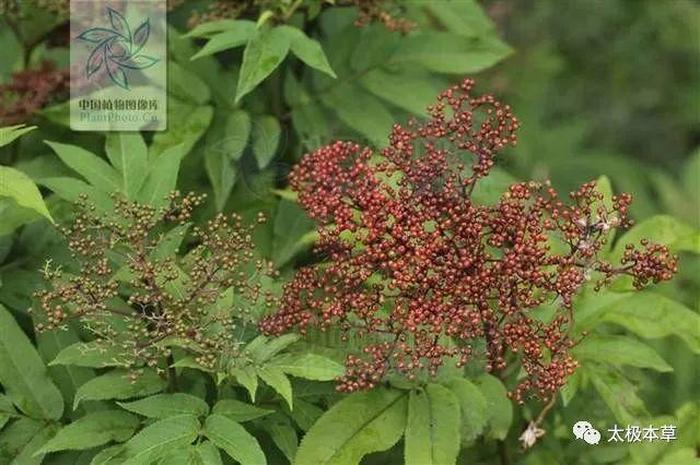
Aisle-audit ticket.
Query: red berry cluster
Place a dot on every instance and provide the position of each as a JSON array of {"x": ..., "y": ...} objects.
[
  {"x": 29, "y": 91},
  {"x": 425, "y": 275}
]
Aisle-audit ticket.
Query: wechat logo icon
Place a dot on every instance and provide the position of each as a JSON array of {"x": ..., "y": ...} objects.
[{"x": 584, "y": 430}]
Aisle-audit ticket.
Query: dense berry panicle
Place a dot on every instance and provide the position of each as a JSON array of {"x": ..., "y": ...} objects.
[
  {"x": 426, "y": 275},
  {"x": 139, "y": 298},
  {"x": 29, "y": 91}
]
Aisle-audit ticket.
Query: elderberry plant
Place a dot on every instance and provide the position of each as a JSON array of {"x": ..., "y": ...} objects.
[
  {"x": 138, "y": 300},
  {"x": 423, "y": 275}
]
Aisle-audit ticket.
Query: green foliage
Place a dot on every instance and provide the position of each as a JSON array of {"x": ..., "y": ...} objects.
[{"x": 251, "y": 91}]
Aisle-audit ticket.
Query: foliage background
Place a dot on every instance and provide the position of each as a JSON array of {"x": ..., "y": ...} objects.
[{"x": 602, "y": 88}]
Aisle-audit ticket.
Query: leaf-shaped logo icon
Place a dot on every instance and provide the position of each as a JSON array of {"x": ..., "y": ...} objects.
[{"x": 117, "y": 49}]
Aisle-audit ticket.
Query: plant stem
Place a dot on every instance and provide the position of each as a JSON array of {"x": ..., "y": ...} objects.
[
  {"x": 503, "y": 452},
  {"x": 172, "y": 374}
]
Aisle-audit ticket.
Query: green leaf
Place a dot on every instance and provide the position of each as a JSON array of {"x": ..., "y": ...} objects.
[
  {"x": 432, "y": 427},
  {"x": 186, "y": 86},
  {"x": 239, "y": 411},
  {"x": 308, "y": 366},
  {"x": 651, "y": 315},
  {"x": 620, "y": 350},
  {"x": 128, "y": 153},
  {"x": 91, "y": 167},
  {"x": 162, "y": 178},
  {"x": 187, "y": 123},
  {"x": 89, "y": 354},
  {"x": 233, "y": 37},
  {"x": 488, "y": 190},
  {"x": 17, "y": 186},
  {"x": 263, "y": 352},
  {"x": 263, "y": 53},
  {"x": 618, "y": 393},
  {"x": 159, "y": 437},
  {"x": 305, "y": 413},
  {"x": 225, "y": 144},
  {"x": 498, "y": 406},
  {"x": 92, "y": 430},
  {"x": 291, "y": 231},
  {"x": 457, "y": 56},
  {"x": 361, "y": 111},
  {"x": 465, "y": 17},
  {"x": 359, "y": 424},
  {"x": 409, "y": 92},
  {"x": 661, "y": 229},
  {"x": 472, "y": 405},
  {"x": 23, "y": 374},
  {"x": 117, "y": 384},
  {"x": 208, "y": 454},
  {"x": 71, "y": 189},
  {"x": 282, "y": 433},
  {"x": 248, "y": 378},
  {"x": 211, "y": 28},
  {"x": 11, "y": 133},
  {"x": 234, "y": 440},
  {"x": 105, "y": 456},
  {"x": 276, "y": 379},
  {"x": 167, "y": 405},
  {"x": 307, "y": 50},
  {"x": 266, "y": 139},
  {"x": 29, "y": 454}
]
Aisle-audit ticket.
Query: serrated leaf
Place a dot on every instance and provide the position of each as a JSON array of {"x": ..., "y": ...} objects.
[
  {"x": 129, "y": 155},
  {"x": 207, "y": 454},
  {"x": 277, "y": 380},
  {"x": 161, "y": 436},
  {"x": 651, "y": 315},
  {"x": 618, "y": 393},
  {"x": 211, "y": 28},
  {"x": 307, "y": 50},
  {"x": 498, "y": 406},
  {"x": 359, "y": 424},
  {"x": 11, "y": 133},
  {"x": 23, "y": 374},
  {"x": 233, "y": 37},
  {"x": 92, "y": 430},
  {"x": 105, "y": 456},
  {"x": 266, "y": 139},
  {"x": 263, "y": 352},
  {"x": 305, "y": 413},
  {"x": 167, "y": 405},
  {"x": 90, "y": 354},
  {"x": 248, "y": 378},
  {"x": 117, "y": 384},
  {"x": 95, "y": 170},
  {"x": 432, "y": 427},
  {"x": 263, "y": 53},
  {"x": 409, "y": 92},
  {"x": 234, "y": 440},
  {"x": 308, "y": 366},
  {"x": 662, "y": 229},
  {"x": 457, "y": 55},
  {"x": 361, "y": 111},
  {"x": 162, "y": 178},
  {"x": 186, "y": 85},
  {"x": 239, "y": 411},
  {"x": 71, "y": 189},
  {"x": 472, "y": 405},
  {"x": 282, "y": 433},
  {"x": 19, "y": 187},
  {"x": 620, "y": 350}
]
